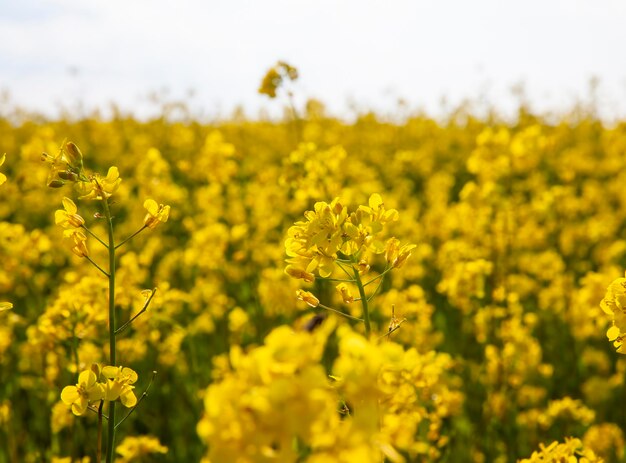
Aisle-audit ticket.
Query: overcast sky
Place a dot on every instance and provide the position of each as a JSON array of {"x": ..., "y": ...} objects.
[{"x": 366, "y": 52}]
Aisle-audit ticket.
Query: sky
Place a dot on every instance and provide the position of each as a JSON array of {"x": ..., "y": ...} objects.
[{"x": 353, "y": 55}]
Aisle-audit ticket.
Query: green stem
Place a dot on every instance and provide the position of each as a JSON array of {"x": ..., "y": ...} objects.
[
  {"x": 143, "y": 396},
  {"x": 145, "y": 307},
  {"x": 97, "y": 266},
  {"x": 112, "y": 359},
  {"x": 95, "y": 236},
  {"x": 366, "y": 312},
  {"x": 340, "y": 313},
  {"x": 131, "y": 236},
  {"x": 387, "y": 270}
]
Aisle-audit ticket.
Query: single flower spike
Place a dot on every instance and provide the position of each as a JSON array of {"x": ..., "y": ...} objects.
[
  {"x": 157, "y": 213},
  {"x": 68, "y": 218},
  {"x": 87, "y": 390},
  {"x": 3, "y": 178}
]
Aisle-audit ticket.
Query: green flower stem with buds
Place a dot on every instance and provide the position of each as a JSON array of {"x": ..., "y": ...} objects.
[{"x": 112, "y": 353}]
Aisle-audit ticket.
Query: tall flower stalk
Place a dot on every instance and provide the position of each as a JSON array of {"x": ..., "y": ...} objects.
[
  {"x": 100, "y": 383},
  {"x": 334, "y": 245}
]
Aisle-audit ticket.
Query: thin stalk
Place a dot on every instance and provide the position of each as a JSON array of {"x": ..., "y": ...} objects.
[
  {"x": 143, "y": 396},
  {"x": 343, "y": 268},
  {"x": 131, "y": 236},
  {"x": 112, "y": 356},
  {"x": 340, "y": 313},
  {"x": 145, "y": 307},
  {"x": 95, "y": 236},
  {"x": 335, "y": 279},
  {"x": 387, "y": 270},
  {"x": 366, "y": 312},
  {"x": 106, "y": 274}
]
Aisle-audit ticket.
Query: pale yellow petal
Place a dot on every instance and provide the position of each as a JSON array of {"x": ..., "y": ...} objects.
[
  {"x": 69, "y": 206},
  {"x": 151, "y": 206}
]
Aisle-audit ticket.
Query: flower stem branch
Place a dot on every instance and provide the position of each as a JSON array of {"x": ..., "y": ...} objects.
[
  {"x": 105, "y": 273},
  {"x": 387, "y": 270},
  {"x": 95, "y": 236},
  {"x": 145, "y": 307},
  {"x": 143, "y": 396},
  {"x": 131, "y": 236},
  {"x": 340, "y": 313}
]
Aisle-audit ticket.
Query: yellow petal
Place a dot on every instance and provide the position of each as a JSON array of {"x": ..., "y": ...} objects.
[
  {"x": 151, "y": 206},
  {"x": 69, "y": 206},
  {"x": 612, "y": 333},
  {"x": 110, "y": 371},
  {"x": 69, "y": 395},
  {"x": 5, "y": 306},
  {"x": 87, "y": 378},
  {"x": 112, "y": 175},
  {"x": 375, "y": 201},
  {"x": 128, "y": 399},
  {"x": 3, "y": 178},
  {"x": 4, "y": 156}
]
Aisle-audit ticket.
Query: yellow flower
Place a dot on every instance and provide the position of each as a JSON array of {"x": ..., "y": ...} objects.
[
  {"x": 157, "y": 213},
  {"x": 345, "y": 292},
  {"x": 307, "y": 297},
  {"x": 299, "y": 273},
  {"x": 67, "y": 165},
  {"x": 119, "y": 385},
  {"x": 86, "y": 391},
  {"x": 100, "y": 187},
  {"x": 80, "y": 241},
  {"x": 68, "y": 218},
  {"x": 396, "y": 256},
  {"x": 614, "y": 303},
  {"x": 274, "y": 78}
]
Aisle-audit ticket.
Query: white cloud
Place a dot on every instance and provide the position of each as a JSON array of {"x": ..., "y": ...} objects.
[{"x": 358, "y": 48}]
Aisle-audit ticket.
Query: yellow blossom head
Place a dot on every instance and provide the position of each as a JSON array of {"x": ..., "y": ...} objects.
[{"x": 157, "y": 213}]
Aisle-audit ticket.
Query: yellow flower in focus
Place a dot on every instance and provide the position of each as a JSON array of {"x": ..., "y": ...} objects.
[
  {"x": 3, "y": 178},
  {"x": 100, "y": 187},
  {"x": 157, "y": 213},
  {"x": 307, "y": 297},
  {"x": 119, "y": 385},
  {"x": 86, "y": 391},
  {"x": 68, "y": 217}
]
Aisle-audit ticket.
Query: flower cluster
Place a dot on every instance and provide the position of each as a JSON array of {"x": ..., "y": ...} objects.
[
  {"x": 108, "y": 383},
  {"x": 614, "y": 304},
  {"x": 315, "y": 244}
]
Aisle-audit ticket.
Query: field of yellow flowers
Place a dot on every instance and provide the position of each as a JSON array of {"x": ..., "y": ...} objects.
[{"x": 313, "y": 290}]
